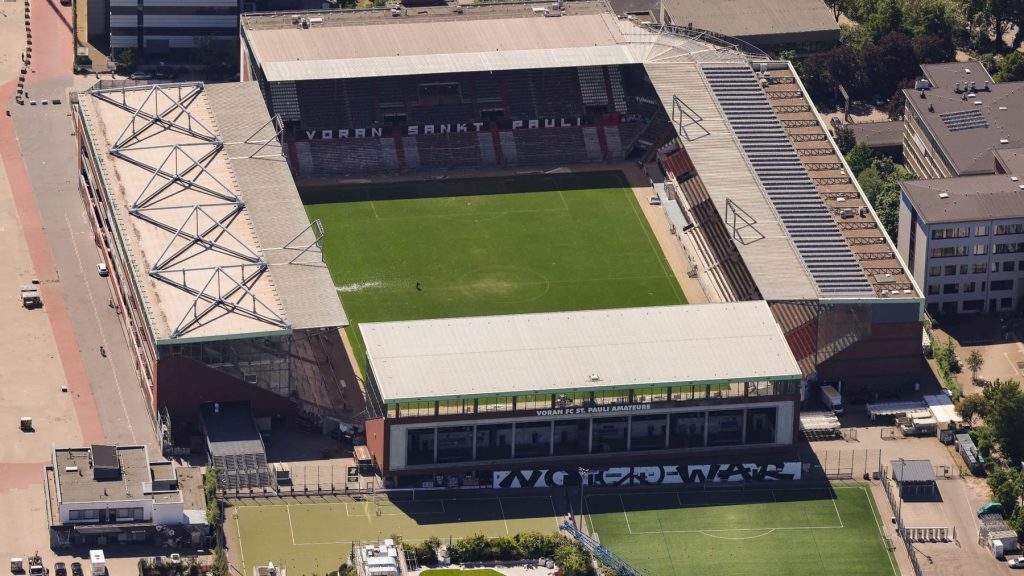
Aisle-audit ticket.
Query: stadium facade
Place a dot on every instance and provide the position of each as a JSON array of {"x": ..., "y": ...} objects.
[
  {"x": 215, "y": 269},
  {"x": 773, "y": 221}
]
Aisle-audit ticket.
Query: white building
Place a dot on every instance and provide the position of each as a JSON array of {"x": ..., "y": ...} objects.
[
  {"x": 963, "y": 240},
  {"x": 106, "y": 494}
]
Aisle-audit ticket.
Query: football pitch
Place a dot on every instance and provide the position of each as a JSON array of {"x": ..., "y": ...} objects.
[
  {"x": 787, "y": 531},
  {"x": 474, "y": 247},
  {"x": 314, "y": 535}
]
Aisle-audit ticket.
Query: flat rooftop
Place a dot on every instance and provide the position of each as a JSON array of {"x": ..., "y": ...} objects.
[
  {"x": 78, "y": 484},
  {"x": 200, "y": 210},
  {"x": 969, "y": 125},
  {"x": 573, "y": 351},
  {"x": 756, "y": 21},
  {"x": 967, "y": 198},
  {"x": 371, "y": 43},
  {"x": 230, "y": 429}
]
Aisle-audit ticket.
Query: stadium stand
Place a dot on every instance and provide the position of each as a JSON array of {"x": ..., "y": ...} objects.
[{"x": 234, "y": 446}]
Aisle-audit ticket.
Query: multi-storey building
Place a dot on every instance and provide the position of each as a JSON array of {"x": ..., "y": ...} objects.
[
  {"x": 961, "y": 228},
  {"x": 179, "y": 31}
]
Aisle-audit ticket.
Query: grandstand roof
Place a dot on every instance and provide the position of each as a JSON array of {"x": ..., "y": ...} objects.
[
  {"x": 353, "y": 45},
  {"x": 566, "y": 351},
  {"x": 193, "y": 211}
]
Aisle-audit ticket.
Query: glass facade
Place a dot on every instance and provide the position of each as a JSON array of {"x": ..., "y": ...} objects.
[
  {"x": 653, "y": 395},
  {"x": 542, "y": 438}
]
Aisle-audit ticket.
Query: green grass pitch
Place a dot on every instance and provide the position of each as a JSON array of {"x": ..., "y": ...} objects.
[
  {"x": 539, "y": 243},
  {"x": 784, "y": 532},
  {"x": 313, "y": 535}
]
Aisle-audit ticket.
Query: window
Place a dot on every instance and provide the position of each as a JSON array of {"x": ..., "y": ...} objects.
[
  {"x": 978, "y": 268},
  {"x": 981, "y": 231},
  {"x": 933, "y": 289},
  {"x": 725, "y": 427},
  {"x": 1005, "y": 303},
  {"x": 1008, "y": 248},
  {"x": 571, "y": 436},
  {"x": 494, "y": 441},
  {"x": 980, "y": 249},
  {"x": 969, "y": 287},
  {"x": 942, "y": 233},
  {"x": 454, "y": 444},
  {"x": 994, "y": 267},
  {"x": 963, "y": 269},
  {"x": 761, "y": 425},
  {"x": 934, "y": 270},
  {"x": 420, "y": 446},
  {"x": 647, "y": 432},
  {"x": 610, "y": 434},
  {"x": 972, "y": 305},
  {"x": 1008, "y": 266},
  {"x": 950, "y": 288},
  {"x": 1003, "y": 229},
  {"x": 949, "y": 270},
  {"x": 533, "y": 439},
  {"x": 1000, "y": 285},
  {"x": 686, "y": 430},
  {"x": 949, "y": 252}
]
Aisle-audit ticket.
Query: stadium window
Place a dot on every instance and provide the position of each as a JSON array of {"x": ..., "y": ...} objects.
[
  {"x": 981, "y": 231},
  {"x": 647, "y": 432},
  {"x": 419, "y": 447},
  {"x": 978, "y": 268},
  {"x": 1000, "y": 285},
  {"x": 934, "y": 270},
  {"x": 950, "y": 288},
  {"x": 969, "y": 287},
  {"x": 1008, "y": 266},
  {"x": 494, "y": 442},
  {"x": 761, "y": 424},
  {"x": 454, "y": 444},
  {"x": 439, "y": 93},
  {"x": 533, "y": 402},
  {"x": 686, "y": 430},
  {"x": 972, "y": 305},
  {"x": 933, "y": 289},
  {"x": 611, "y": 397},
  {"x": 686, "y": 392},
  {"x": 949, "y": 270},
  {"x": 949, "y": 252},
  {"x": 533, "y": 439},
  {"x": 1005, "y": 303},
  {"x": 963, "y": 269},
  {"x": 610, "y": 435},
  {"x": 725, "y": 427},
  {"x": 980, "y": 249},
  {"x": 572, "y": 436}
]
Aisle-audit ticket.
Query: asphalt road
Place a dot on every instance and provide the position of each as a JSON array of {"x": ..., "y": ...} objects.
[{"x": 48, "y": 148}]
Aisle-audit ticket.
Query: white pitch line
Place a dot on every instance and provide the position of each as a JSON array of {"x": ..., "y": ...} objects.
[
  {"x": 503, "y": 521},
  {"x": 838, "y": 515},
  {"x": 624, "y": 515},
  {"x": 241, "y": 549},
  {"x": 291, "y": 529},
  {"x": 735, "y": 530}
]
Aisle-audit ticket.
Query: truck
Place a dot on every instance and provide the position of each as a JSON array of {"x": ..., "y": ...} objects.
[
  {"x": 99, "y": 562},
  {"x": 832, "y": 400}
]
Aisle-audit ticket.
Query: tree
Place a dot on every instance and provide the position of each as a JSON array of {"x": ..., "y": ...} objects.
[
  {"x": 1005, "y": 485},
  {"x": 1005, "y": 416},
  {"x": 859, "y": 157},
  {"x": 126, "y": 61},
  {"x": 845, "y": 138},
  {"x": 972, "y": 405},
  {"x": 220, "y": 559},
  {"x": 837, "y": 6},
  {"x": 886, "y": 18},
  {"x": 885, "y": 64},
  {"x": 930, "y": 49},
  {"x": 974, "y": 363},
  {"x": 1010, "y": 68}
]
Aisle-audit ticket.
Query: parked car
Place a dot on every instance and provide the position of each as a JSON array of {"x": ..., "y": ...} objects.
[
  {"x": 141, "y": 76},
  {"x": 102, "y": 269},
  {"x": 76, "y": 569},
  {"x": 992, "y": 508},
  {"x": 59, "y": 569},
  {"x": 1017, "y": 562}
]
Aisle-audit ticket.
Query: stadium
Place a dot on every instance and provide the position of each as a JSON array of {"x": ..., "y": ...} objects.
[
  {"x": 470, "y": 170},
  {"x": 765, "y": 205}
]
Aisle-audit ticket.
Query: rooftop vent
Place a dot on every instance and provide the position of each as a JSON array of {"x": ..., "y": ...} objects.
[
  {"x": 977, "y": 102},
  {"x": 71, "y": 469},
  {"x": 1004, "y": 141},
  {"x": 316, "y": 20},
  {"x": 1014, "y": 178},
  {"x": 943, "y": 195},
  {"x": 595, "y": 378},
  {"x": 1002, "y": 107}
]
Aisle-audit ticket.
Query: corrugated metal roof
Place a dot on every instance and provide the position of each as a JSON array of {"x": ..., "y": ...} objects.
[
  {"x": 490, "y": 355},
  {"x": 912, "y": 470},
  {"x": 304, "y": 286},
  {"x": 433, "y": 47}
]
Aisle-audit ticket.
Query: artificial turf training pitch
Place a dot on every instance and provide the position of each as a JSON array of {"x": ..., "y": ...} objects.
[
  {"x": 778, "y": 532},
  {"x": 474, "y": 247},
  {"x": 314, "y": 535}
]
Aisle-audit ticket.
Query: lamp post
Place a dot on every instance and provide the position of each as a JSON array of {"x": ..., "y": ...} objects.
[
  {"x": 583, "y": 481},
  {"x": 899, "y": 489}
]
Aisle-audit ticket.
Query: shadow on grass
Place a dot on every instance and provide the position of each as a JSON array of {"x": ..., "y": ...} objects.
[{"x": 441, "y": 188}]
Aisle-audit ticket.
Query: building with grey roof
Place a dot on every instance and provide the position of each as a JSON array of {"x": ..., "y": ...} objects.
[
  {"x": 769, "y": 24},
  {"x": 116, "y": 494},
  {"x": 212, "y": 259},
  {"x": 600, "y": 386},
  {"x": 961, "y": 223}
]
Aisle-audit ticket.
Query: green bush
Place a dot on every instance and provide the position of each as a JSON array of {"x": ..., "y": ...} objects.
[{"x": 573, "y": 560}]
